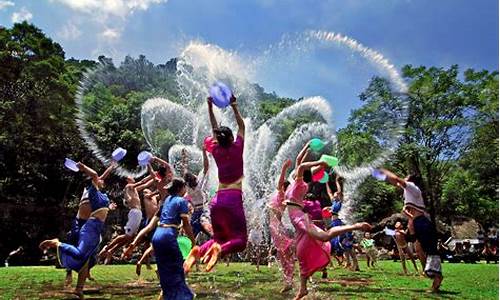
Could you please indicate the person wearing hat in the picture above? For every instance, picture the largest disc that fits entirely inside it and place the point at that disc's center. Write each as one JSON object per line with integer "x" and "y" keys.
{"x": 172, "y": 215}
{"x": 226, "y": 207}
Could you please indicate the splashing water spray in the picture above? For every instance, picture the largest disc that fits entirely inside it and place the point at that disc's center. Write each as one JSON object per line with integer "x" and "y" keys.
{"x": 267, "y": 145}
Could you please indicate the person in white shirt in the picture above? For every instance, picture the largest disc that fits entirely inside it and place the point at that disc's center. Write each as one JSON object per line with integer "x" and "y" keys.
{"x": 419, "y": 225}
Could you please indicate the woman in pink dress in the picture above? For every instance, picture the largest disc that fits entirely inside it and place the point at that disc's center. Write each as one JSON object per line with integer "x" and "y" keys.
{"x": 312, "y": 243}
{"x": 226, "y": 208}
{"x": 281, "y": 239}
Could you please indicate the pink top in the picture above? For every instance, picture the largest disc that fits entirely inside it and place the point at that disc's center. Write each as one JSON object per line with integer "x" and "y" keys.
{"x": 229, "y": 161}
{"x": 296, "y": 191}
{"x": 276, "y": 201}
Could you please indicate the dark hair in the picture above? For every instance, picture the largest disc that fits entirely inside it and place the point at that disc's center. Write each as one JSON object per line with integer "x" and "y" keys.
{"x": 191, "y": 180}
{"x": 416, "y": 179}
{"x": 307, "y": 176}
{"x": 162, "y": 171}
{"x": 175, "y": 186}
{"x": 286, "y": 184}
{"x": 224, "y": 136}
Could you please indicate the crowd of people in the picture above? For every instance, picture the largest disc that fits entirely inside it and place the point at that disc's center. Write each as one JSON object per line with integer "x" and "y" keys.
{"x": 172, "y": 206}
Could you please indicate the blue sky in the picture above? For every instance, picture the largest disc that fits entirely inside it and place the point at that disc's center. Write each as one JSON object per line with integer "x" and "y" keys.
{"x": 423, "y": 32}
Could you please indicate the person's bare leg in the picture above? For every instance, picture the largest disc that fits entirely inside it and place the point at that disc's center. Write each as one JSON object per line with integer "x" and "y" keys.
{"x": 402, "y": 256}
{"x": 303, "y": 288}
{"x": 48, "y": 244}
{"x": 410, "y": 253}
{"x": 144, "y": 257}
{"x": 212, "y": 256}
{"x": 436, "y": 283}
{"x": 355, "y": 260}
{"x": 82, "y": 276}
{"x": 367, "y": 260}
{"x": 69, "y": 279}
{"x": 420, "y": 254}
{"x": 120, "y": 241}
{"x": 193, "y": 256}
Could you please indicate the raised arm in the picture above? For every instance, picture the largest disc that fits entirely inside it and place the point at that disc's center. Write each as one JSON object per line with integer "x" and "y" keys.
{"x": 337, "y": 183}
{"x": 394, "y": 179}
{"x": 205, "y": 161}
{"x": 151, "y": 171}
{"x": 238, "y": 117}
{"x": 329, "y": 191}
{"x": 184, "y": 161}
{"x": 108, "y": 170}
{"x": 281, "y": 180}
{"x": 89, "y": 172}
{"x": 146, "y": 184}
{"x": 163, "y": 163}
{"x": 302, "y": 155}
{"x": 308, "y": 165}
{"x": 213, "y": 120}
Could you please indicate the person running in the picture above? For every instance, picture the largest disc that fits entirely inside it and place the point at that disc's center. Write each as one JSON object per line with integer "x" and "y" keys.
{"x": 420, "y": 226}
{"x": 226, "y": 208}
{"x": 78, "y": 258}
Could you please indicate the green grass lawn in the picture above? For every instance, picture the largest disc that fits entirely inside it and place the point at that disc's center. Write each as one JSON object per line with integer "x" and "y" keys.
{"x": 242, "y": 281}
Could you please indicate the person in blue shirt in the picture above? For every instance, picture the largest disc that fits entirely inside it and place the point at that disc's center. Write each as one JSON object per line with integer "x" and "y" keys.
{"x": 79, "y": 257}
{"x": 172, "y": 215}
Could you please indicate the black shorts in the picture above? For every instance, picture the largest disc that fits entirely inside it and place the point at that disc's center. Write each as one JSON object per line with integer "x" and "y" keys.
{"x": 426, "y": 234}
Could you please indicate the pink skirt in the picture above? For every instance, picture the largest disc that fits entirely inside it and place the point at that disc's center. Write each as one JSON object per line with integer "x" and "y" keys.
{"x": 313, "y": 255}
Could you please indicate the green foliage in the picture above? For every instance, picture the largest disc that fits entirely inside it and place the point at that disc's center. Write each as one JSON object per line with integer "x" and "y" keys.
{"x": 450, "y": 121}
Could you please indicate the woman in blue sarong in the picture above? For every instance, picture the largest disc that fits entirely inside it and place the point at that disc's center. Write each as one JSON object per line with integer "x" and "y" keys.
{"x": 78, "y": 257}
{"x": 167, "y": 222}
{"x": 83, "y": 214}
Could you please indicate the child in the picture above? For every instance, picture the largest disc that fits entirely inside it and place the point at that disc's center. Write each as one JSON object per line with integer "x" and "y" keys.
{"x": 368, "y": 245}
{"x": 403, "y": 247}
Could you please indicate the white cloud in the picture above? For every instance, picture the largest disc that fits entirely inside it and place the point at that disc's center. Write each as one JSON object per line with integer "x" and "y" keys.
{"x": 5, "y": 4}
{"x": 70, "y": 31}
{"x": 22, "y": 15}
{"x": 118, "y": 8}
{"x": 111, "y": 34}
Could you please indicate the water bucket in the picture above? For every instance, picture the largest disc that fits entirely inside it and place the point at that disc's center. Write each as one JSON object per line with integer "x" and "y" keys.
{"x": 332, "y": 161}
{"x": 71, "y": 164}
{"x": 209, "y": 143}
{"x": 379, "y": 175}
{"x": 318, "y": 175}
{"x": 119, "y": 154}
{"x": 144, "y": 157}
{"x": 316, "y": 144}
{"x": 221, "y": 94}
{"x": 184, "y": 245}
{"x": 325, "y": 178}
